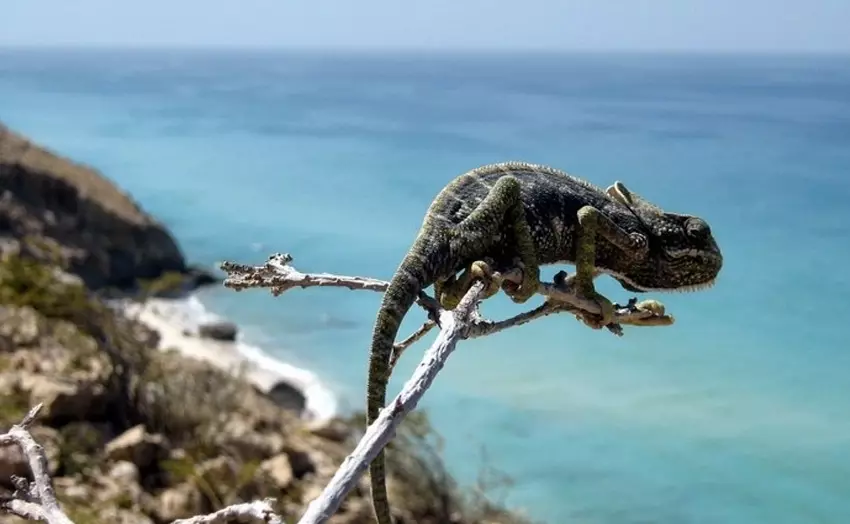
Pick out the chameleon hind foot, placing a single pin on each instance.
(482, 270)
(520, 293)
(452, 290)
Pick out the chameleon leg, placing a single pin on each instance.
(588, 220)
(502, 207)
(593, 224)
(443, 291)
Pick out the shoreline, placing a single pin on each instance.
(177, 320)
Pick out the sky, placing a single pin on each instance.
(600, 25)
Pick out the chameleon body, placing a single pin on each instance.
(516, 214)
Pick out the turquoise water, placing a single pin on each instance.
(739, 413)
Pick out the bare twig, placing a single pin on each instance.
(257, 511)
(44, 507)
(278, 275)
(399, 348)
(454, 326)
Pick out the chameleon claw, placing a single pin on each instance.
(482, 270)
(653, 306)
(598, 321)
(527, 289)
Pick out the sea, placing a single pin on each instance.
(739, 413)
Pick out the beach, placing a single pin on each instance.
(178, 321)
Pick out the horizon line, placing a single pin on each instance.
(415, 49)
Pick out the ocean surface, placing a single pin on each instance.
(737, 414)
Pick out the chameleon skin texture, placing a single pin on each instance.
(518, 214)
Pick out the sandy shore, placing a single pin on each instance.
(177, 324)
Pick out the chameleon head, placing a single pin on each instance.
(681, 254)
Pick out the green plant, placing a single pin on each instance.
(14, 406)
(220, 492)
(28, 282)
(168, 282)
(78, 448)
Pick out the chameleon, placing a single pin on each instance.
(517, 214)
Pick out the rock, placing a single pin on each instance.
(335, 430)
(288, 397)
(12, 462)
(279, 470)
(115, 515)
(64, 400)
(71, 489)
(200, 276)
(139, 447)
(238, 435)
(108, 240)
(19, 327)
(181, 501)
(223, 330)
(220, 471)
(300, 461)
(124, 472)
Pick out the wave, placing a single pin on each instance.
(177, 321)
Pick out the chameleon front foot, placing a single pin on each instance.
(588, 292)
(597, 321)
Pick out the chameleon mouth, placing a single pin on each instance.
(684, 288)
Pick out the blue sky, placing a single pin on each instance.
(709, 25)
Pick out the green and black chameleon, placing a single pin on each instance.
(536, 215)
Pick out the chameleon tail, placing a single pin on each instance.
(401, 294)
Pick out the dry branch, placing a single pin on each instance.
(461, 323)
(279, 275)
(38, 501)
(257, 511)
(454, 326)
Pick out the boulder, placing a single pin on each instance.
(12, 462)
(240, 436)
(335, 430)
(138, 447)
(223, 330)
(181, 501)
(124, 472)
(200, 276)
(64, 400)
(288, 397)
(300, 461)
(115, 515)
(279, 471)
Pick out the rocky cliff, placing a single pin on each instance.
(105, 238)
